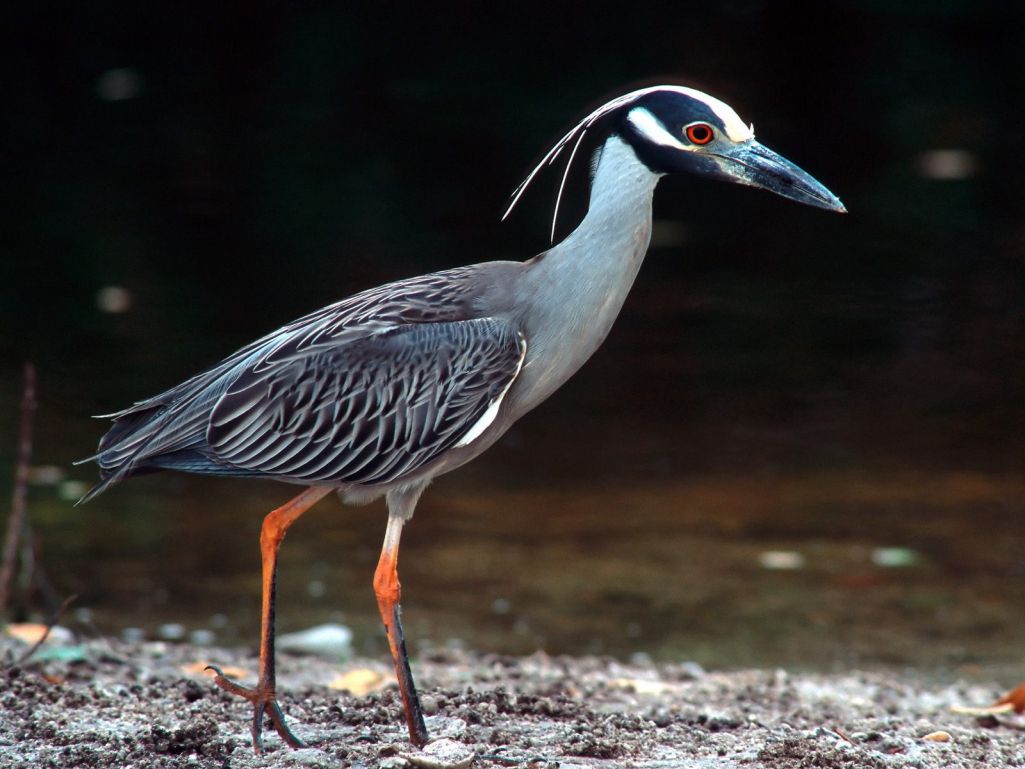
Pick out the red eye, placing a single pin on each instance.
(699, 133)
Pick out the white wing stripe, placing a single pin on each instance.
(488, 416)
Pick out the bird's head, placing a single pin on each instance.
(674, 129)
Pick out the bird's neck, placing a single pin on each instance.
(620, 203)
(577, 288)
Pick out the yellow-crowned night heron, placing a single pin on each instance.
(381, 392)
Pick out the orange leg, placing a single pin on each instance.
(388, 592)
(262, 698)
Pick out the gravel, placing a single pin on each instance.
(113, 703)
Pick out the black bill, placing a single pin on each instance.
(756, 165)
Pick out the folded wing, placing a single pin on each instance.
(368, 411)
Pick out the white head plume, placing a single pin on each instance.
(735, 128)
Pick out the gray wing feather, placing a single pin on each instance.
(434, 298)
(170, 430)
(367, 411)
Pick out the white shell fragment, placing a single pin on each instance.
(441, 754)
(329, 640)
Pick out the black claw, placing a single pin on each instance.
(414, 710)
(261, 705)
(257, 727)
(277, 716)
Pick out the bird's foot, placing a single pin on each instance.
(1015, 698)
(1012, 702)
(264, 703)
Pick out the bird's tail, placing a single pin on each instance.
(148, 437)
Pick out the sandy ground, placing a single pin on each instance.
(113, 704)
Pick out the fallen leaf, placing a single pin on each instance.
(361, 682)
(31, 632)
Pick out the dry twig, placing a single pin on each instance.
(19, 495)
(46, 633)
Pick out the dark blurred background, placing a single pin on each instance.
(802, 443)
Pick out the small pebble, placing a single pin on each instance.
(84, 614)
(947, 164)
(642, 660)
(330, 640)
(442, 754)
(692, 670)
(172, 631)
(155, 649)
(501, 606)
(72, 491)
(781, 560)
(894, 557)
(429, 705)
(446, 726)
(45, 475)
(312, 757)
(114, 299)
(202, 637)
(133, 634)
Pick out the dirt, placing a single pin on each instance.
(109, 703)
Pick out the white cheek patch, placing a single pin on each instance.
(652, 129)
(644, 122)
